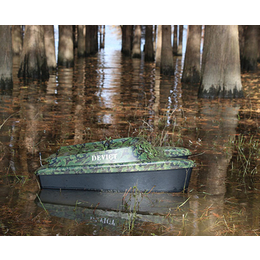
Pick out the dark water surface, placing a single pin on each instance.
(109, 95)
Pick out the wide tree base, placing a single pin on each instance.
(33, 74)
(219, 92)
(248, 64)
(6, 84)
(192, 76)
(167, 70)
(67, 64)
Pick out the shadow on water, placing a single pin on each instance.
(108, 95)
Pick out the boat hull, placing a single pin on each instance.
(174, 180)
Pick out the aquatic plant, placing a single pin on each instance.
(246, 150)
(132, 212)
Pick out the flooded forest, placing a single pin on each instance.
(196, 87)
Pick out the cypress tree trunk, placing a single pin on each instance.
(158, 53)
(220, 63)
(91, 39)
(249, 55)
(174, 48)
(17, 39)
(66, 53)
(127, 34)
(191, 69)
(155, 37)
(33, 58)
(102, 43)
(88, 40)
(241, 35)
(136, 51)
(258, 54)
(95, 39)
(6, 57)
(167, 56)
(50, 46)
(179, 49)
(81, 40)
(149, 52)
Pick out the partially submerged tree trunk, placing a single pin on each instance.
(17, 39)
(149, 52)
(95, 39)
(258, 54)
(81, 40)
(167, 56)
(91, 39)
(6, 57)
(174, 48)
(127, 35)
(50, 46)
(220, 63)
(191, 69)
(33, 58)
(102, 36)
(136, 51)
(249, 55)
(66, 53)
(179, 49)
(241, 37)
(158, 53)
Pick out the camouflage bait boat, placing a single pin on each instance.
(117, 165)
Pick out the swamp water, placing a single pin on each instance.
(109, 95)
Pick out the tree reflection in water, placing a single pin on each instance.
(108, 95)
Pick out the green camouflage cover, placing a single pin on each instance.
(118, 155)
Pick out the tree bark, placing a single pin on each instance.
(249, 55)
(33, 58)
(88, 41)
(6, 57)
(81, 40)
(136, 51)
(91, 39)
(258, 54)
(149, 52)
(179, 49)
(191, 69)
(220, 63)
(50, 46)
(174, 48)
(95, 39)
(241, 35)
(66, 52)
(17, 39)
(167, 56)
(158, 53)
(127, 35)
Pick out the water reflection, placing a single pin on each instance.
(109, 95)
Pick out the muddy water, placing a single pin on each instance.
(109, 95)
